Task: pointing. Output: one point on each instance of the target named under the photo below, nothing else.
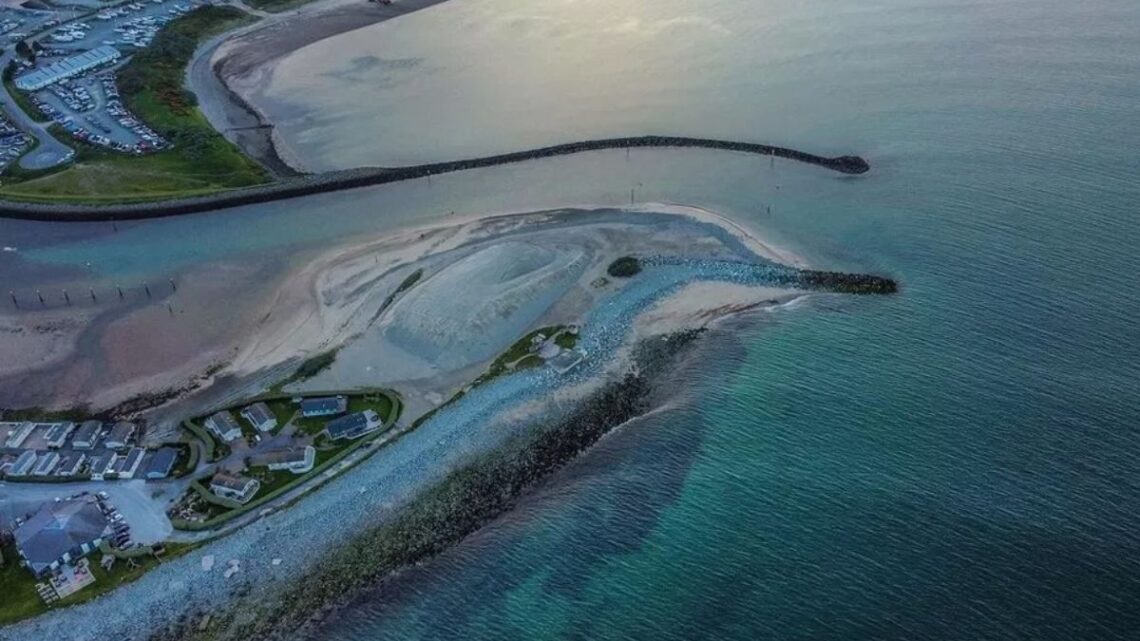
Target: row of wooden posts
(43, 300)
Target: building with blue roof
(354, 425)
(324, 406)
(161, 463)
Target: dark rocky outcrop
(368, 176)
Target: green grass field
(18, 586)
(151, 85)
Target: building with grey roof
(24, 464)
(297, 460)
(18, 433)
(57, 434)
(87, 436)
(121, 435)
(98, 464)
(66, 68)
(70, 464)
(260, 417)
(46, 464)
(126, 465)
(324, 406)
(223, 425)
(234, 487)
(60, 532)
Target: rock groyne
(295, 187)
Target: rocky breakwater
(369, 176)
(443, 515)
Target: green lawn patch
(311, 367)
(151, 86)
(21, 601)
(276, 482)
(284, 409)
(210, 445)
(20, 98)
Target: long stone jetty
(368, 176)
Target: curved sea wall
(369, 176)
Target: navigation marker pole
(41, 297)
(120, 292)
(15, 303)
(173, 287)
(92, 291)
(66, 298)
(147, 288)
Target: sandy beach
(189, 354)
(226, 68)
(342, 298)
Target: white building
(223, 425)
(18, 433)
(66, 68)
(236, 488)
(297, 460)
(260, 417)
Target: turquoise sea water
(959, 461)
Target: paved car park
(76, 93)
(89, 108)
(128, 27)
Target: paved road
(49, 152)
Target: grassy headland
(151, 86)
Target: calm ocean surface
(960, 461)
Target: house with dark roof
(99, 464)
(57, 434)
(234, 487)
(87, 435)
(223, 425)
(354, 425)
(121, 435)
(161, 462)
(324, 406)
(260, 417)
(297, 460)
(124, 466)
(23, 464)
(60, 532)
(46, 464)
(70, 464)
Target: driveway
(142, 504)
(49, 152)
